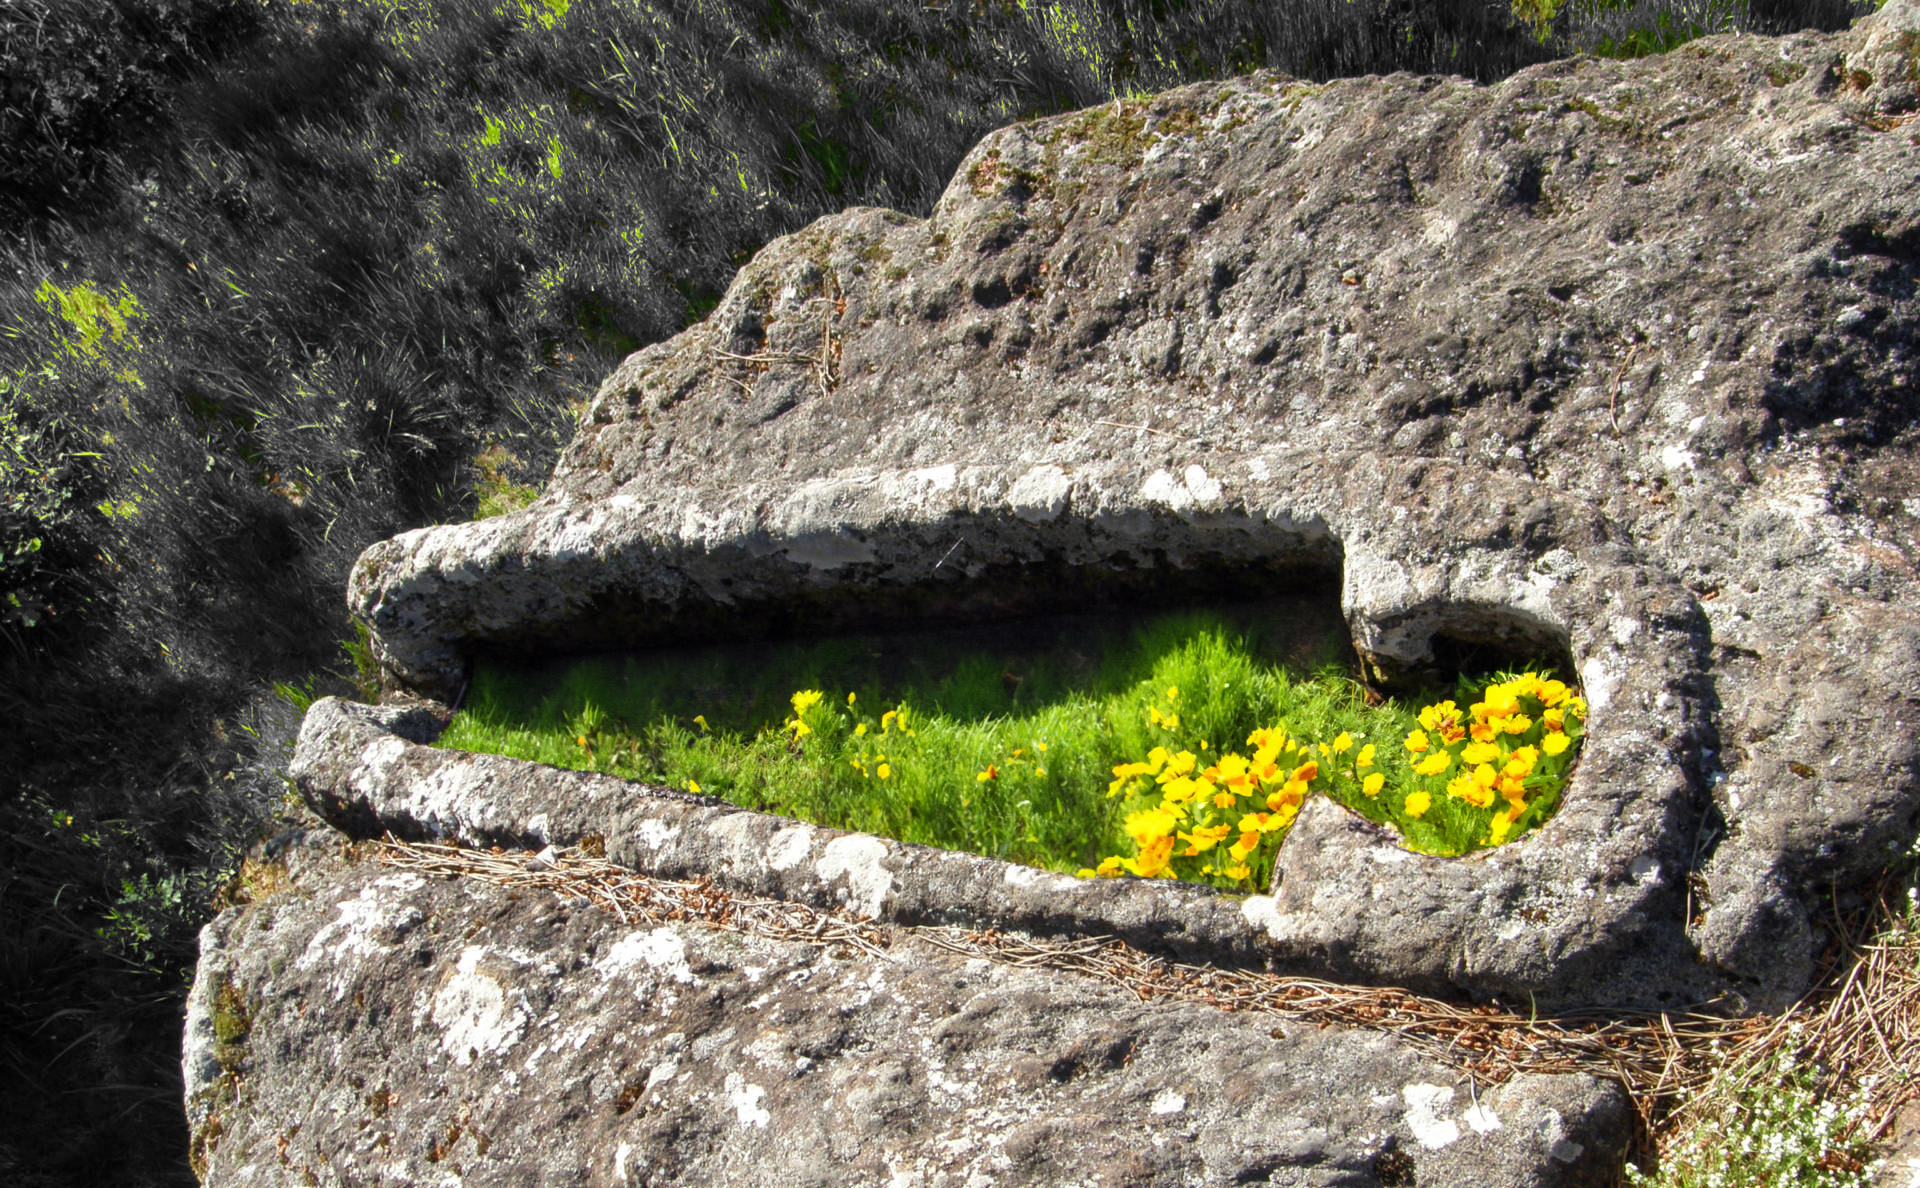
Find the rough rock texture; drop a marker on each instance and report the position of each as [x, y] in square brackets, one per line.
[1613, 359]
[375, 1027]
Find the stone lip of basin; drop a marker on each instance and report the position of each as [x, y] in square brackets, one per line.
[1612, 359]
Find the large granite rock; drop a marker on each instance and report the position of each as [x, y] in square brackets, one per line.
[377, 1027]
[1613, 362]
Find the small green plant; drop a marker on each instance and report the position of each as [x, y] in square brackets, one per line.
[1776, 1126]
[366, 669]
[494, 484]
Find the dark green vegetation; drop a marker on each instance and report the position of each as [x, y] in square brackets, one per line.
[282, 278]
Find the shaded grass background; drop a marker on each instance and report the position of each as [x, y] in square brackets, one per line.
[279, 278]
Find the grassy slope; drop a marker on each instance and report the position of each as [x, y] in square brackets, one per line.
[285, 277]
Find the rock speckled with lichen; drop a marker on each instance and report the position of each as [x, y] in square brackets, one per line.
[407, 1030]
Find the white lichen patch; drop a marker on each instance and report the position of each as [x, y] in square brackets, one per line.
[656, 834]
[661, 949]
[860, 857]
[1040, 494]
[361, 927]
[376, 759]
[745, 1100]
[1423, 1117]
[1481, 1119]
[1027, 877]
[789, 847]
[476, 1014]
[1204, 488]
[1263, 912]
[1162, 488]
[1167, 1101]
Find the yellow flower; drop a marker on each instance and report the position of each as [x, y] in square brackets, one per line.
[1434, 764]
[859, 730]
[1148, 825]
[1152, 863]
[849, 699]
[886, 720]
[1236, 871]
[693, 786]
[1553, 693]
[993, 773]
[1553, 744]
[1499, 703]
[1479, 752]
[1465, 787]
[806, 699]
[1527, 684]
[1498, 829]
[884, 770]
[1288, 797]
[1443, 718]
[1417, 741]
[1040, 746]
[1365, 758]
[700, 720]
[1417, 805]
[582, 740]
[1223, 800]
[1482, 732]
[1176, 765]
[1204, 838]
[1520, 763]
[1372, 784]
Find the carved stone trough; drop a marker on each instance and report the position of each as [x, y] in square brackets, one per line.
[1612, 361]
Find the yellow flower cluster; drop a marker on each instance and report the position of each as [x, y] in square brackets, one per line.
[1249, 799]
[1511, 746]
[1505, 759]
[803, 701]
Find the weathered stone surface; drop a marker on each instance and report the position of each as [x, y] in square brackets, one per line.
[375, 1027]
[1612, 359]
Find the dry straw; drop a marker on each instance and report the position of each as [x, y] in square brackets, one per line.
[1864, 1021]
